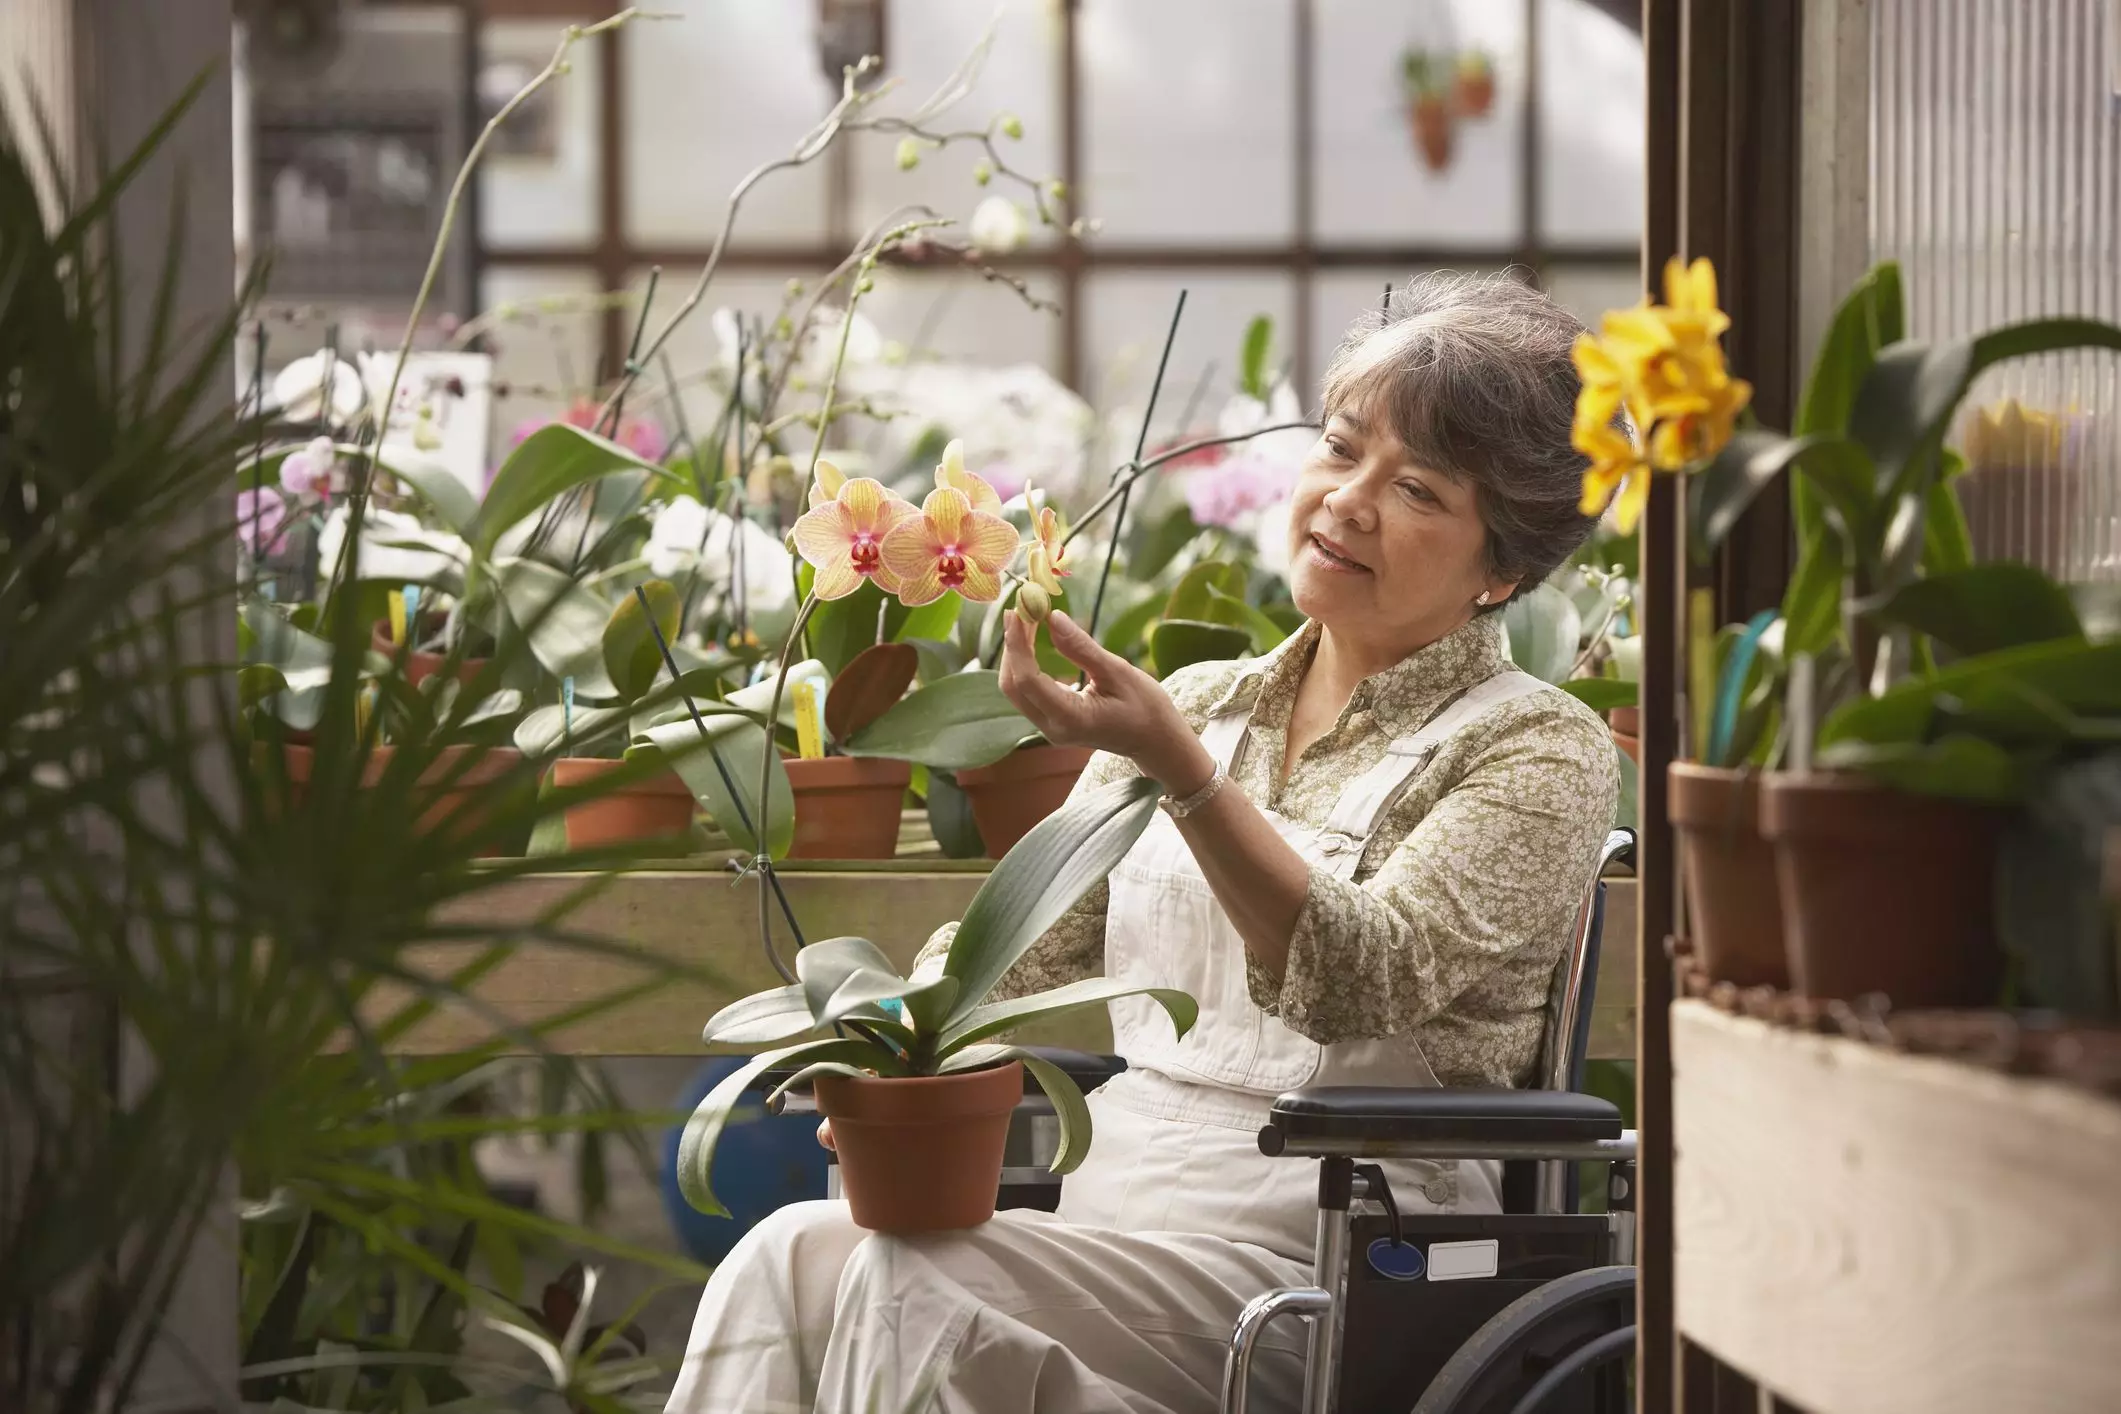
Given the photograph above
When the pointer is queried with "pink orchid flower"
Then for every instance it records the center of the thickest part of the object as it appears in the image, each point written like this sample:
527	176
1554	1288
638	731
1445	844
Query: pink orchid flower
262	521
843	538
949	545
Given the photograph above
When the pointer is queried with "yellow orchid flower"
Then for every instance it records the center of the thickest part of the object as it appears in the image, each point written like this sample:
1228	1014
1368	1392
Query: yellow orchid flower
828	483
1048	554
2010	436
844	539
1617	469
947	546
952	475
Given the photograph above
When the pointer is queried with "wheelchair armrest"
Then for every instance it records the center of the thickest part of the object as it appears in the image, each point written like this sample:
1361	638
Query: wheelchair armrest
1443	1123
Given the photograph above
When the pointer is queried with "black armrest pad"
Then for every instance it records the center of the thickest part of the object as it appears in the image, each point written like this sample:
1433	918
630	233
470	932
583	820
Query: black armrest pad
1357	1113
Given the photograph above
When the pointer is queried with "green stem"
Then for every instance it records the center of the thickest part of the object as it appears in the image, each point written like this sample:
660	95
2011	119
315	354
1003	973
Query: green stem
1143	468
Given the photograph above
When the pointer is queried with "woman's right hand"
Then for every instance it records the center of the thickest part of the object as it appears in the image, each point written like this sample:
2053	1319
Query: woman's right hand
824	1134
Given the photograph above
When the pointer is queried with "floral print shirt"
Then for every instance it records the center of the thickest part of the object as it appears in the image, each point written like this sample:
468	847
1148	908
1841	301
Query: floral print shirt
1466	893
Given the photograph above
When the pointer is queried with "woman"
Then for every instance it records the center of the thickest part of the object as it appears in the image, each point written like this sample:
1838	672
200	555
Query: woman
1374	842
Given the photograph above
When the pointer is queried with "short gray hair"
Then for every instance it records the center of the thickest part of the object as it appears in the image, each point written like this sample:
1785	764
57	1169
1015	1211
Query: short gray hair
1473	374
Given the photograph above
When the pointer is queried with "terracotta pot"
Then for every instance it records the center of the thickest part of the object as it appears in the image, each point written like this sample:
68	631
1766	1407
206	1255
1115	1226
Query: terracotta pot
493	763
1473	94
419	667
1430	120
923	1154
1883	891
1020	790
847	807
657	808
1734	909
1626	723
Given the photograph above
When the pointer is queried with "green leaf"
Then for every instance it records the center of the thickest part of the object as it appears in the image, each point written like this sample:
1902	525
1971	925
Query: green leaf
1811	606
961	721
841	630
2083	679
868	687
1252	362
1545	632
745	749
1068	1105
1750	462
950	818
450	499
1947	544
994	1018
1125	634
1985	608
826	969
1602	694
1041	878
1180	643
1267	635
632	655
1158	545
928	621
1870	318
761	1019
1957	767
696	1145
563	622
1194	598
551	461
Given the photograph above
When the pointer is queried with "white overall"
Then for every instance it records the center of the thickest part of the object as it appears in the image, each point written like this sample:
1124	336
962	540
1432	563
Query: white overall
1124	1300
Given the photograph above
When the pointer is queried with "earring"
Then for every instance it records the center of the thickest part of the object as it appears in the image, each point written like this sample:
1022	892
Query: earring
1483	599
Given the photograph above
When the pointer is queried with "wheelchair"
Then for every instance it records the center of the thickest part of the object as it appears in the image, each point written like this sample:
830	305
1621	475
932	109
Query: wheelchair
1527	1311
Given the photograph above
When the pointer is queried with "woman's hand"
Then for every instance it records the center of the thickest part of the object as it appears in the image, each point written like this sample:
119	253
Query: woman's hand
1119	709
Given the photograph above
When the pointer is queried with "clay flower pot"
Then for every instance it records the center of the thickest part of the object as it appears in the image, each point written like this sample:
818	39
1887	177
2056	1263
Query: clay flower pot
847	807
1429	118
1733	904
493	763
1884	891
1626	723
419	667
658	808
1018	791
1473	91
922	1154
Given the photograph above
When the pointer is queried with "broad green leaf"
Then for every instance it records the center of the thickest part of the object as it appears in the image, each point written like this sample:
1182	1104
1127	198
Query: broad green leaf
696	1145
1602	694
950	818
1127	630
1180	643
741	750
551	461
450	499
961	721
761	1019
1811	606
1193	597
994	1018
829	964
1870	318
563	622
809	1074
1041	878
1956	767
1159	544
842	629
546	730
2083	679
928	621
1840	472
868	687
1545	633
1252	361
1947	544
1985	608
1068	1104
1267	635
632	653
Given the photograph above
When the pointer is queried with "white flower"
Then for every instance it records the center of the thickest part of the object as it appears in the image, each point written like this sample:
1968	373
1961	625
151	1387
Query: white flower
999	225
298	389
395	548
675	549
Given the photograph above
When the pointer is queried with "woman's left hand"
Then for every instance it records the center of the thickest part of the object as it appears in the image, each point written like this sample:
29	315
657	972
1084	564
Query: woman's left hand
1119	708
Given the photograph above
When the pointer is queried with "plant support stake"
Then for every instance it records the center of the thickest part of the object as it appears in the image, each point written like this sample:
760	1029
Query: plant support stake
1141	444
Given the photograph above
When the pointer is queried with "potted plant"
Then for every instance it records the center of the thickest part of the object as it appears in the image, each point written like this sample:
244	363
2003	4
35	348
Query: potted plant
910	1071
1473	84
1885	862
1428	100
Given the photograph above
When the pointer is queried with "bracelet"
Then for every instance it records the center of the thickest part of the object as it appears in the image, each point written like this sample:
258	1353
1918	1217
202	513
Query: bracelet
1180	809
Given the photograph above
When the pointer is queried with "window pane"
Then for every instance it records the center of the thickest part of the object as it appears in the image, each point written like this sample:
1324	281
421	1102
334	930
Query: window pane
710	96
1588	291
1338	299
543	328
538	180
694	352
958	315
1433	162
1126	317
1188	121
1591	115
924	45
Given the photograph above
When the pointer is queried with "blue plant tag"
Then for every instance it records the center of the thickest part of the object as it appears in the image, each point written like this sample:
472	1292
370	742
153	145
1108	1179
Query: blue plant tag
1401	1263
897	1009
566	709
412	610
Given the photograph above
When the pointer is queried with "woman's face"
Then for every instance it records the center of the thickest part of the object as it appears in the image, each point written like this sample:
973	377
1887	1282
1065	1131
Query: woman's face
1383	550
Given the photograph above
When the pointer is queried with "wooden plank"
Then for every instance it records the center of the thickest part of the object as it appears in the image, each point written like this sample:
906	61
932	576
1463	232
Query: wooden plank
1862	1230
701	916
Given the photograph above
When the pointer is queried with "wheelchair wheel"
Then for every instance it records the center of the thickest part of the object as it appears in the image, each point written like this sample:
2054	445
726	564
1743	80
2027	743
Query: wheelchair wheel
1555	1349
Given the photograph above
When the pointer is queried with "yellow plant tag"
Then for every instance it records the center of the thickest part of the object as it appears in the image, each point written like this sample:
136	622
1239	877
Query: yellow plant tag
397	617
809	722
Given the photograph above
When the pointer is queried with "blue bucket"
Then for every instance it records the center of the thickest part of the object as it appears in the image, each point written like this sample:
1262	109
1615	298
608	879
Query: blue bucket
763	1163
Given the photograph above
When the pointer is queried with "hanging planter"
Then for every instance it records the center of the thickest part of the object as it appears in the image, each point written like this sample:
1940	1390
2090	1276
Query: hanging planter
1018	791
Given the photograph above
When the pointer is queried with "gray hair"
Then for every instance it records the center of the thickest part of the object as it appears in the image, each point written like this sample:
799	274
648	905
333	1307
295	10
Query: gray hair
1473	374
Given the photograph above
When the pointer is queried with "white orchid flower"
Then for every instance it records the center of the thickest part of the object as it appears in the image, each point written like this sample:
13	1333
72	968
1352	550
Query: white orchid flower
687	537
395	548
999	226
299	394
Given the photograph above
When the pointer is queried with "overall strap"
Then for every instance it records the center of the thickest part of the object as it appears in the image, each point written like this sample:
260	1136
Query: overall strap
1363	800
1224	734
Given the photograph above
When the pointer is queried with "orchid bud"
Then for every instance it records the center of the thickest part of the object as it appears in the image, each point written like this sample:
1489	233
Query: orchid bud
1033	604
1057	189
983	174
909	154
1012	125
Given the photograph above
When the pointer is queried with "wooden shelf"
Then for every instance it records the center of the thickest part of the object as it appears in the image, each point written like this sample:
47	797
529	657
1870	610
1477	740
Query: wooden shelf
1868	1232
697	913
